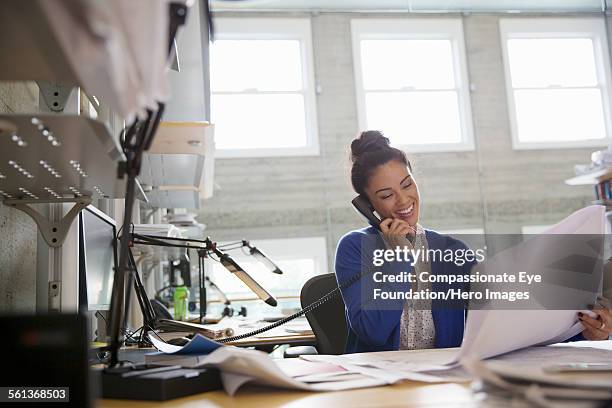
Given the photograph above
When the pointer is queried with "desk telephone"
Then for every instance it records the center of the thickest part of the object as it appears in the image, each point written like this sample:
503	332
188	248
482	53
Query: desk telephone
363	206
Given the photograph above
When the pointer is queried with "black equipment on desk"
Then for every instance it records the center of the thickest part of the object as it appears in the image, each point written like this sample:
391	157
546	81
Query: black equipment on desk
97	259
159	383
183	268
48	351
97	263
122	379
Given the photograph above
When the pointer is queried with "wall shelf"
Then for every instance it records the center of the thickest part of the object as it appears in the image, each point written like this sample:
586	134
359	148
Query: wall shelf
594	177
178	170
175	197
47	156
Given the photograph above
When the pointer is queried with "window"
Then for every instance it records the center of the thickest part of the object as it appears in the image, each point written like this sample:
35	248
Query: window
411	82
558	82
262	88
299	258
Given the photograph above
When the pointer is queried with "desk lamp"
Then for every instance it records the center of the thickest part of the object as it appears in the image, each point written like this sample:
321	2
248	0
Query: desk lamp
208	248
255	252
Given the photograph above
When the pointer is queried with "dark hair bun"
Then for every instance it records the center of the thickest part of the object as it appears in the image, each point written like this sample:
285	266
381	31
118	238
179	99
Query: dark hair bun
368	141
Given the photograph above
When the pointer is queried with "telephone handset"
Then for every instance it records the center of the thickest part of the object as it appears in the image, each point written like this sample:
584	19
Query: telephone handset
364	207
362	204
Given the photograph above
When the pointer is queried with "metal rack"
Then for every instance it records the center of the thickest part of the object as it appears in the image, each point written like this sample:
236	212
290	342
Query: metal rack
49	158
593	177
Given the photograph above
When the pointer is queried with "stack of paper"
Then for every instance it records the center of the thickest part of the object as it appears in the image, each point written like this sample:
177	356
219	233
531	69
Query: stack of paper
527	374
241	366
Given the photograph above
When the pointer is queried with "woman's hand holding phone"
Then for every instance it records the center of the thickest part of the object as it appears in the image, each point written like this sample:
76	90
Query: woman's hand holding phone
395	233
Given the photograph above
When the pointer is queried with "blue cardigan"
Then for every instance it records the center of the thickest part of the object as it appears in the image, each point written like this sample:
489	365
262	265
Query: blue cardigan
378	328
372	329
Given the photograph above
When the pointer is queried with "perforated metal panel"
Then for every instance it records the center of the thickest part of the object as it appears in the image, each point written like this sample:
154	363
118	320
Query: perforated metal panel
46	157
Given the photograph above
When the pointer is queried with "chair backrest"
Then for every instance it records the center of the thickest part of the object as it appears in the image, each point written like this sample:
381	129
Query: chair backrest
328	321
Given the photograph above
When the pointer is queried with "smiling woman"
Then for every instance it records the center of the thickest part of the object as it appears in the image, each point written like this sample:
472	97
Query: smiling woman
382	175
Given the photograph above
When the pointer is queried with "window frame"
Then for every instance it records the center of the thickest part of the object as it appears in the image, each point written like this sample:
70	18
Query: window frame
232	28
559	28
418	29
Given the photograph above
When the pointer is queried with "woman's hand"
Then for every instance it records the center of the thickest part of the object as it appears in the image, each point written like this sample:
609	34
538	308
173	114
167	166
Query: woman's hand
600	326
394	232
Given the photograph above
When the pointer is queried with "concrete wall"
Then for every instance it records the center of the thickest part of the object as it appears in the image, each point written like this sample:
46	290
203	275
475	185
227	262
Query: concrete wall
17	230
495	187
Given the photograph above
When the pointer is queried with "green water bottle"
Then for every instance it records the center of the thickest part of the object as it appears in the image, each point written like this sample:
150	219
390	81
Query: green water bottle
181	299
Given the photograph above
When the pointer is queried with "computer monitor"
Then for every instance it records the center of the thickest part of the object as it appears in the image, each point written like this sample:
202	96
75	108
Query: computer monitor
97	259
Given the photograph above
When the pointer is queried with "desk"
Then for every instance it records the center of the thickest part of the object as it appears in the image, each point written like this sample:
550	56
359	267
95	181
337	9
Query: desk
407	393
273	337
293	339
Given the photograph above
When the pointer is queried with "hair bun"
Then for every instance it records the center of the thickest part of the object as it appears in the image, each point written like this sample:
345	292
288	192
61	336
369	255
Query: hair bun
368	141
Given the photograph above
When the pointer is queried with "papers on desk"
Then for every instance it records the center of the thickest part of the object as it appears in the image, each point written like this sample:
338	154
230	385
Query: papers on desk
333	373
240	366
523	373
432	365
197	345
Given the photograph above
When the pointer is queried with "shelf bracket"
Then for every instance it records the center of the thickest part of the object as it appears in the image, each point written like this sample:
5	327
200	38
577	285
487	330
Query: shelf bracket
54	233
54	95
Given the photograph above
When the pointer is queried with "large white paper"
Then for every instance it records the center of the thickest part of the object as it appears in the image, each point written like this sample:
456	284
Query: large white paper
490	333
429	365
240	366
404	360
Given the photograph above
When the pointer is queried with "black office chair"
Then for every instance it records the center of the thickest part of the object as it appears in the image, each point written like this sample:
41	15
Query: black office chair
328	321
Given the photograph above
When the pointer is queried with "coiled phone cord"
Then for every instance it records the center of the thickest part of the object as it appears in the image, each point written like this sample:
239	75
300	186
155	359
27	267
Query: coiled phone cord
325	298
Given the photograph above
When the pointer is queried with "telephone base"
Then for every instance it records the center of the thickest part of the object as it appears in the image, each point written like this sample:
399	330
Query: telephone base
157	383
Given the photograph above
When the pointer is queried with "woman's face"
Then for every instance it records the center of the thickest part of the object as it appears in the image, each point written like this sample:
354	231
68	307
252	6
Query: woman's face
394	193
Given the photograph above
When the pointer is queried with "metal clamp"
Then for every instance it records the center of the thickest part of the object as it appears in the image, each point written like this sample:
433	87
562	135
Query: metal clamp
54	233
